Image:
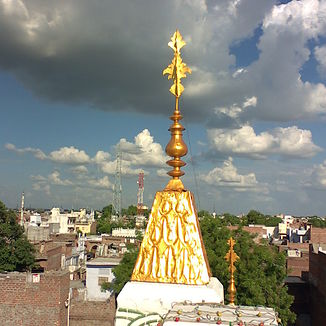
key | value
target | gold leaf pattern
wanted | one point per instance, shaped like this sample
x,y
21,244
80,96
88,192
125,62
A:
x,y
172,250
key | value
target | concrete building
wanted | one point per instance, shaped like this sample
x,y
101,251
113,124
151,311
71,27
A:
x,y
99,271
72,222
37,233
108,245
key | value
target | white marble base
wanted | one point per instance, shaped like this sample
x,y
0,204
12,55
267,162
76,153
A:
x,y
146,302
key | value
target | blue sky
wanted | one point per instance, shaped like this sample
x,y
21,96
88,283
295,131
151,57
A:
x,y
77,80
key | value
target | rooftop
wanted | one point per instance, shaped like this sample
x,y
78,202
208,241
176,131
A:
x,y
104,261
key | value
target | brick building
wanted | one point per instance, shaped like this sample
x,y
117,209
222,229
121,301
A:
x,y
317,281
92,313
48,255
34,299
317,235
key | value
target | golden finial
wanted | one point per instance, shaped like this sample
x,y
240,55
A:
x,y
172,250
176,147
231,257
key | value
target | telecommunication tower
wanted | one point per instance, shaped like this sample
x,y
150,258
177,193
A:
x,y
140,194
117,189
22,210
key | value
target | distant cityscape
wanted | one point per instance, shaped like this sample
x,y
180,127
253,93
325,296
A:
x,y
77,259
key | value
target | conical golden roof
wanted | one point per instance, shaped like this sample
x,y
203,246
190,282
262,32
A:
x,y
172,250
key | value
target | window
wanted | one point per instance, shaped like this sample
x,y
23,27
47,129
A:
x,y
102,279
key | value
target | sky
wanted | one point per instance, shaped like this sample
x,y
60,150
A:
x,y
80,79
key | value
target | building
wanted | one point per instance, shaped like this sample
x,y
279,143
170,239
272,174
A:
x,y
34,299
106,245
72,222
99,271
317,282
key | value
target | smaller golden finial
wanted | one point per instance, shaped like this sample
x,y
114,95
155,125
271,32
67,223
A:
x,y
176,147
231,257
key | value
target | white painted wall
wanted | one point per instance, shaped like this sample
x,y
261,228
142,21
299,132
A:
x,y
92,275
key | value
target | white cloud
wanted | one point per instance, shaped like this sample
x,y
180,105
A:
x,y
162,173
101,157
42,187
54,178
317,176
100,183
320,55
290,142
79,169
228,176
126,169
144,151
35,151
239,72
69,155
252,101
41,184
275,76
38,178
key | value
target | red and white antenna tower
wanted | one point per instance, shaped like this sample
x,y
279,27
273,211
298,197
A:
x,y
140,194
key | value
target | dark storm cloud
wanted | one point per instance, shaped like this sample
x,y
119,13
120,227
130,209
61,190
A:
x,y
111,54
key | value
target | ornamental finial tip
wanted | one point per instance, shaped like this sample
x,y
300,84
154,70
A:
x,y
231,257
176,148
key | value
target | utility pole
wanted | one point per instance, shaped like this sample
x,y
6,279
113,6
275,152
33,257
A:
x,y
117,189
22,210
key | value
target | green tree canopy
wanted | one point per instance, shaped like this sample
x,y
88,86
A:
x,y
260,273
255,217
130,211
107,211
204,213
124,270
317,222
16,253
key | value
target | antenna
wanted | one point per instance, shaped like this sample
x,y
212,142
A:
x,y
117,189
140,194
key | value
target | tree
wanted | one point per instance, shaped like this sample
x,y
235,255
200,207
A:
x,y
103,225
16,253
255,217
124,270
107,211
230,219
203,213
317,222
260,273
130,211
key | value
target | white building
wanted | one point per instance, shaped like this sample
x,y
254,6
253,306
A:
x,y
58,219
35,219
124,233
99,271
66,222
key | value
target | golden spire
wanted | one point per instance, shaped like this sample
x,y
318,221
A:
x,y
231,257
176,147
172,250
